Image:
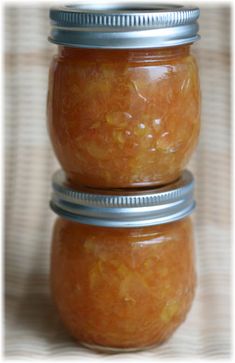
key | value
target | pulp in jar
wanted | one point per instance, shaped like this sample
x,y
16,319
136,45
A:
x,y
122,288
122,118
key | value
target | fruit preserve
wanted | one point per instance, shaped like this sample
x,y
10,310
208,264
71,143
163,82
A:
x,y
124,107
123,279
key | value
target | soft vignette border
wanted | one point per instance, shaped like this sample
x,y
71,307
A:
x,y
1,184
122,357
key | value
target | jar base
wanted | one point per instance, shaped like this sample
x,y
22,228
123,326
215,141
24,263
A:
x,y
104,349
76,182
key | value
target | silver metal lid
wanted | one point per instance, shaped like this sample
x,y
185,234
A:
x,y
120,26
124,208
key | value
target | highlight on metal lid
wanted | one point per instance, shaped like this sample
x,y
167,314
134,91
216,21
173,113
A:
x,y
120,26
123,208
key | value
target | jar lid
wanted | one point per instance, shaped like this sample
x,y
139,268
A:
x,y
120,26
123,208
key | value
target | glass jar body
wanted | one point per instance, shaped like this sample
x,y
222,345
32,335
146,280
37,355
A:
x,y
122,288
123,118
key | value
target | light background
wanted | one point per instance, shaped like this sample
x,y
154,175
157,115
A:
x,y
32,326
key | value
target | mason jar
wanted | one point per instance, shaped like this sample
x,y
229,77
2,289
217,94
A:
x,y
122,263
124,95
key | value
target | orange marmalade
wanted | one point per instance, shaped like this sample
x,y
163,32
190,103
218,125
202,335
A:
x,y
123,118
122,288
122,263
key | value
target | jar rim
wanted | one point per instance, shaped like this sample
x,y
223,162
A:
x,y
123,208
123,26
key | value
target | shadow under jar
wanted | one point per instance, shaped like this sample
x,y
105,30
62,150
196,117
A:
x,y
122,264
124,97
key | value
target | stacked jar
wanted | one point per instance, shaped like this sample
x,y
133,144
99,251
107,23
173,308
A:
x,y
124,119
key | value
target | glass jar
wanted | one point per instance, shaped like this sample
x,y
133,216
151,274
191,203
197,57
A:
x,y
122,265
124,98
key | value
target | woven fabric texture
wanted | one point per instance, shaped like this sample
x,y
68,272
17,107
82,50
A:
x,y
32,327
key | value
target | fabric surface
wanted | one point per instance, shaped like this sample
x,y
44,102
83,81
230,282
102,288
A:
x,y
32,327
